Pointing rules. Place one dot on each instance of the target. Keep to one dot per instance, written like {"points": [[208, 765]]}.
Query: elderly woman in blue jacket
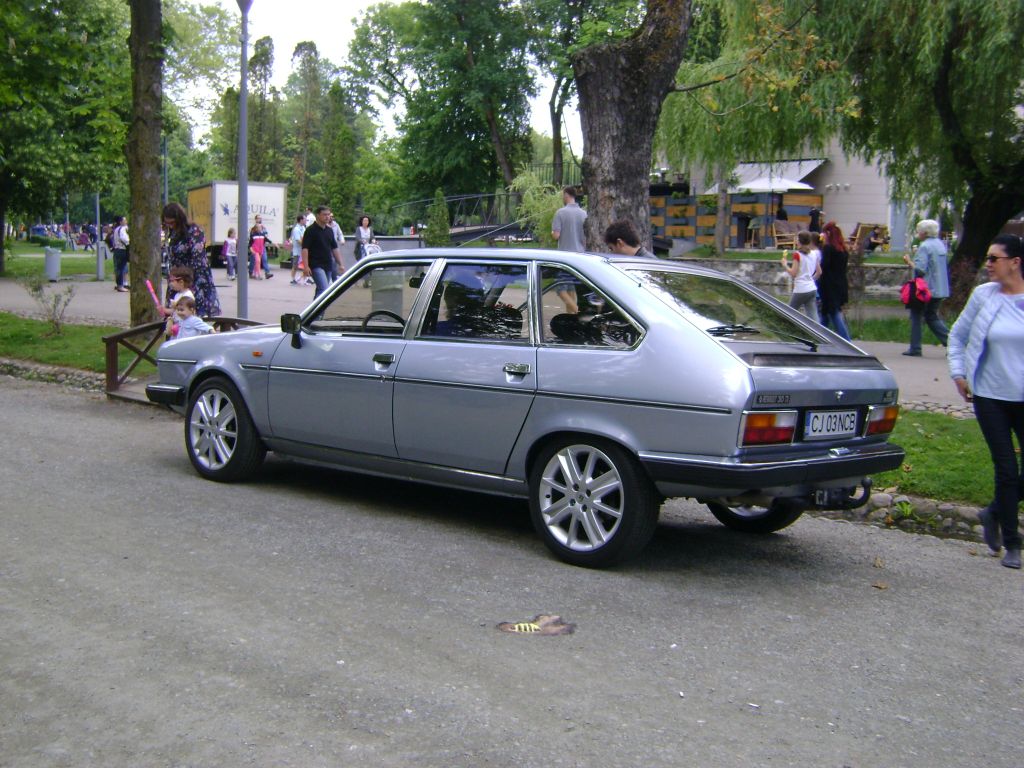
{"points": [[986, 361], [929, 262]]}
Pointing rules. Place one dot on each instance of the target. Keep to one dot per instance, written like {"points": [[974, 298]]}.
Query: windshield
{"points": [[723, 308]]}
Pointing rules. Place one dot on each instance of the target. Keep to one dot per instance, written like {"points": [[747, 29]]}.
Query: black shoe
{"points": [[269, 275], [990, 530], [912, 353], [1012, 558]]}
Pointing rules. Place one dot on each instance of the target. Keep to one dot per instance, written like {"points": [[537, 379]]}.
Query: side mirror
{"points": [[292, 323]]}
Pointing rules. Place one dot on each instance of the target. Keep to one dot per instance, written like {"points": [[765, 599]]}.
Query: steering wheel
{"points": [[386, 313]]}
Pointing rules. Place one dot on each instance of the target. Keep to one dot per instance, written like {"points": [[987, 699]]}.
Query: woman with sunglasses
{"points": [[986, 361]]}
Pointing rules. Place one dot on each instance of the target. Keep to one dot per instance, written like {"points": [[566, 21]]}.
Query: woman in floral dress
{"points": [[186, 246]]}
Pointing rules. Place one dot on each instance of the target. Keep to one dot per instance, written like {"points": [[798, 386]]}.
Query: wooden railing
{"points": [[141, 341]]}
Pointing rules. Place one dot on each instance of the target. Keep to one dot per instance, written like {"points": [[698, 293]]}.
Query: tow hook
{"points": [[843, 498]]}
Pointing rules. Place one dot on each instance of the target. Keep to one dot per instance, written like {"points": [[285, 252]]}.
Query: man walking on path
{"points": [[320, 250], [567, 226]]}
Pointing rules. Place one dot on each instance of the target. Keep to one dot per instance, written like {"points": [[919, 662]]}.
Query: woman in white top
{"points": [[986, 362], [364, 234], [805, 269]]}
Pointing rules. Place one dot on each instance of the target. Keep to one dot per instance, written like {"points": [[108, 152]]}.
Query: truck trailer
{"points": [[214, 207]]}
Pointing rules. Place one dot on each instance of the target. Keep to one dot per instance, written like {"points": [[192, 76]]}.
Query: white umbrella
{"points": [[771, 184]]}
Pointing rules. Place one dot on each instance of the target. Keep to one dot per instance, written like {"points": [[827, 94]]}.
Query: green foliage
{"points": [[380, 180], [63, 94], [438, 231], [464, 79], [538, 203], [755, 86]]}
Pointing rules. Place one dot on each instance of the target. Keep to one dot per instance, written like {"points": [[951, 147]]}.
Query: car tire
{"points": [[220, 437], [776, 516], [591, 502]]}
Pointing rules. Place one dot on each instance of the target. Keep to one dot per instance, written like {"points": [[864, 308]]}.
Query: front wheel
{"points": [[756, 519], [591, 502], [220, 437]]}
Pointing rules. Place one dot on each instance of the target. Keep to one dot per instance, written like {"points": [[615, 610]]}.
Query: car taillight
{"points": [[881, 419], [768, 427]]}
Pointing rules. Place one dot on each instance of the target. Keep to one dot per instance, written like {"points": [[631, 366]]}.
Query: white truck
{"points": [[214, 207]]}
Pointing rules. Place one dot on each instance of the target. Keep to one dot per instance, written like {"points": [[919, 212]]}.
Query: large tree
{"points": [[622, 84], [940, 91], [146, 45]]}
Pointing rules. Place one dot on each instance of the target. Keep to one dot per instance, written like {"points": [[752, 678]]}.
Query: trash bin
{"points": [[51, 264]]}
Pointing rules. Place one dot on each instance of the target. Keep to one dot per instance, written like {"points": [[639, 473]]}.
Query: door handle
{"points": [[517, 369], [384, 357]]}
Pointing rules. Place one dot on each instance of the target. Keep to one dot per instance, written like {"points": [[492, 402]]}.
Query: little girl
{"points": [[230, 253], [180, 285], [805, 269]]}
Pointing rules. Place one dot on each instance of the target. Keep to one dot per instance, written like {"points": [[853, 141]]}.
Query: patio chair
{"points": [[784, 233]]}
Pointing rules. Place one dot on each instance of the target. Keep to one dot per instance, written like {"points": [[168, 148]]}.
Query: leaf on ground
{"points": [[541, 624], [880, 585], [879, 563]]}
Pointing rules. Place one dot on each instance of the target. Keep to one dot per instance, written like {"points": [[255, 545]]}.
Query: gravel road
{"points": [[315, 618]]}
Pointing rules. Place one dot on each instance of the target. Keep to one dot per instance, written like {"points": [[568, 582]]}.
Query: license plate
{"points": [[820, 425]]}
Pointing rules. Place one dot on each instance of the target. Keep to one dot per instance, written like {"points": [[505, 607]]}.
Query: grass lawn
{"points": [[26, 259], [947, 459], [78, 346], [886, 329]]}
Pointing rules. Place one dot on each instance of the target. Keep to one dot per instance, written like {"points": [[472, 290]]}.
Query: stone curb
{"points": [[53, 374]]}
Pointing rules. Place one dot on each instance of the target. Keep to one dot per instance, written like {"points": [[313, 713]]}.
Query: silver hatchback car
{"points": [[594, 386]]}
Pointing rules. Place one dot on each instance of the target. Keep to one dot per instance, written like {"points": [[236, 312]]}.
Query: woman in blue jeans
{"points": [[928, 262], [986, 361]]}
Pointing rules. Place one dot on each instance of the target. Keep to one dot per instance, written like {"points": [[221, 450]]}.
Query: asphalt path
{"points": [[316, 618]]}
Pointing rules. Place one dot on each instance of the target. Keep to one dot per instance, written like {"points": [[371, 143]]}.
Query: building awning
{"points": [[786, 169]]}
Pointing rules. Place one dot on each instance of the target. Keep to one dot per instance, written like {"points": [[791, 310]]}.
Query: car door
{"points": [[466, 382], [335, 388]]}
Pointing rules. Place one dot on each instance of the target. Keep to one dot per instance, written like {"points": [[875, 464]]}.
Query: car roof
{"points": [[570, 258]]}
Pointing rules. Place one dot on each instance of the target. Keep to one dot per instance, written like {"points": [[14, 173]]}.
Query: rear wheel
{"points": [[590, 502], [219, 434], [756, 519]]}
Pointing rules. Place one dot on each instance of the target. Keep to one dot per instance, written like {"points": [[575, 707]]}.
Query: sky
{"points": [[331, 26]]}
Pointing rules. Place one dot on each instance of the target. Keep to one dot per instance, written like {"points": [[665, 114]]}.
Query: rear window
{"points": [[722, 308]]}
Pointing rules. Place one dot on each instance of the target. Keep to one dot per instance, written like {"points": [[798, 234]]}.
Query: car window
{"points": [[576, 313], [720, 307], [479, 301], [379, 301]]}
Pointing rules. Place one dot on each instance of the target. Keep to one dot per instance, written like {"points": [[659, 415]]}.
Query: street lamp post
{"points": [[243, 168]]}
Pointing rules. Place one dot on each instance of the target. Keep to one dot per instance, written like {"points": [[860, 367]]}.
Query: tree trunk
{"points": [[145, 45], [3, 236], [622, 86], [556, 143], [498, 142], [984, 216], [722, 210], [556, 107]]}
